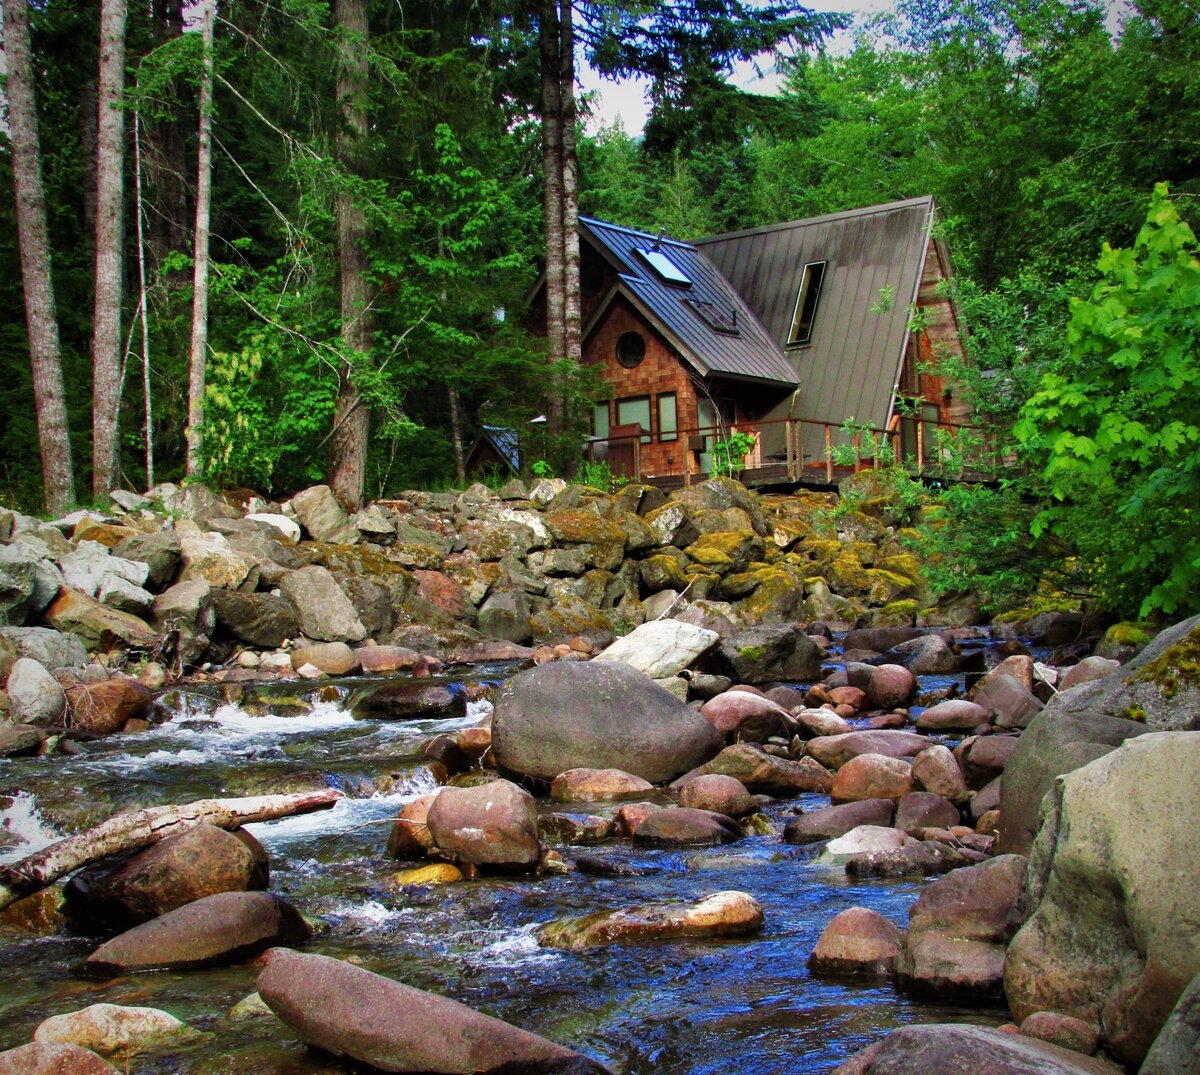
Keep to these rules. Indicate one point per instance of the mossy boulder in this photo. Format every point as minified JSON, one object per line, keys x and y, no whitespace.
{"x":778,"y":596}
{"x":846,"y":573}
{"x":603,"y":540}
{"x":732,"y":550}
{"x":663,"y":571}
{"x":1124,"y":641}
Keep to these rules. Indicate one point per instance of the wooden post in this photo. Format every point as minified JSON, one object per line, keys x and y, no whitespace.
{"x":920,"y":446}
{"x":857,"y":452}
{"x":687,"y":462}
{"x":828,"y":453}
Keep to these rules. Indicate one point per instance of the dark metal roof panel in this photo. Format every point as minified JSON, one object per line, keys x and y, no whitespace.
{"x":751,"y":353}
{"x":851,"y":367}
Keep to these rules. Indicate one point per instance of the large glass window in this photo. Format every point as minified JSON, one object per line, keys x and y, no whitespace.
{"x":806,"y":304}
{"x":668,"y":417}
{"x":635,"y":410}
{"x":600,"y":420}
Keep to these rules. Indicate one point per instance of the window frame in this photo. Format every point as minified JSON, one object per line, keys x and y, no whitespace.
{"x":807,"y":300}
{"x":673,"y":433}
{"x":648,"y":436}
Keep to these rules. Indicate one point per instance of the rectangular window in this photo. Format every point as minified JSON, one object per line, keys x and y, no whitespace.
{"x":668,"y":418}
{"x":635,"y":410}
{"x":600,"y":420}
{"x":806,"y":304}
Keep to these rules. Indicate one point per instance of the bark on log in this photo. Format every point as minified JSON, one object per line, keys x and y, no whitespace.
{"x":141,"y":828}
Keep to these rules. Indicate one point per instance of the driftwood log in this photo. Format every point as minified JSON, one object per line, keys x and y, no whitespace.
{"x":141,"y":828}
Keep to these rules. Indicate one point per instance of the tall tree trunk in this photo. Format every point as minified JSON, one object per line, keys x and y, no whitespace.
{"x":572,"y":301}
{"x":143,"y":299}
{"x":106,"y":318}
{"x":549,"y":42}
{"x":456,"y":435}
{"x":164,"y":150}
{"x":41,"y":316}
{"x":352,"y":419}
{"x":198,"y":354}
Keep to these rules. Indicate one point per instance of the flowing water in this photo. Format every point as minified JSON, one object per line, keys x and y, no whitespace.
{"x":692,"y":1006}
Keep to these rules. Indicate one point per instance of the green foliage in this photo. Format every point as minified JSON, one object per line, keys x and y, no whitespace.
{"x":598,"y":474}
{"x":1118,"y":423}
{"x":729,"y":453}
{"x":540,"y":468}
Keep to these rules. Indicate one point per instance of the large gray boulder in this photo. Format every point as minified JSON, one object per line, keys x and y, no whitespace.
{"x":323,"y":610}
{"x":955,"y":1048}
{"x":186,"y":612}
{"x":596,"y":716}
{"x":34,"y":695}
{"x":322,"y":516}
{"x":159,"y":551}
{"x":53,"y":649}
{"x":661,"y":648}
{"x":351,"y":1012}
{"x":260,"y":619}
{"x":1112,"y":938}
{"x":1177,"y":1047}
{"x":768,"y":653}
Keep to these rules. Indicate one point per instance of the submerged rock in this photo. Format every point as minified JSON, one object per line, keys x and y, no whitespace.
{"x":114,"y":1030}
{"x":53,"y":1058}
{"x":351,"y":1012}
{"x":857,"y":941}
{"x":722,"y":914}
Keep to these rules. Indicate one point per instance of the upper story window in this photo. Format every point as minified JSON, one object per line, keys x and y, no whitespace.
{"x":806,"y":304}
{"x":665,"y":267}
{"x":631,"y":349}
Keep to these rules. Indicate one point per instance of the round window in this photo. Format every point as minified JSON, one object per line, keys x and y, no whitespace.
{"x":631,"y":349}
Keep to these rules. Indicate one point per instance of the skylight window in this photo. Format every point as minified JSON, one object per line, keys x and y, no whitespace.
{"x":665,"y":267}
{"x":716,"y":319}
{"x":806,"y":304}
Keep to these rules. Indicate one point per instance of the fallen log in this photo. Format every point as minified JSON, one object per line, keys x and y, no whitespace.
{"x":141,"y":828}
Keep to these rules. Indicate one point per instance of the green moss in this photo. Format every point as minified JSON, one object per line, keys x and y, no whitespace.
{"x":1133,"y":712}
{"x":751,"y":653}
{"x":1128,"y":634}
{"x":1178,"y":666}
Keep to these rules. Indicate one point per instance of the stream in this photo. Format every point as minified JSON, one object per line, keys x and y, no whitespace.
{"x":694,"y":1006}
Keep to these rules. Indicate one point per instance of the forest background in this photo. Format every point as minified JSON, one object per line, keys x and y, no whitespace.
{"x":400,"y":146}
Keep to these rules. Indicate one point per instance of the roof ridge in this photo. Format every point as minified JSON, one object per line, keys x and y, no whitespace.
{"x":596,"y":222}
{"x":804,"y":222}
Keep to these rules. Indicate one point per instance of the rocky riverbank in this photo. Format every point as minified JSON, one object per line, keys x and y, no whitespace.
{"x":710,"y":721}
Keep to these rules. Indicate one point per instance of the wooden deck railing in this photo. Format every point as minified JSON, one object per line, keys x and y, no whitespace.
{"x":809,"y":452}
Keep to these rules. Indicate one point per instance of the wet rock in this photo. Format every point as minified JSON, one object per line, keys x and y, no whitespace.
{"x":376,"y":660}
{"x":574,"y":828}
{"x":722,"y":914}
{"x":871,"y":776}
{"x":748,"y":717}
{"x":955,"y":714}
{"x":437,"y":873}
{"x":763,"y":772}
{"x":53,"y":1058}
{"x":96,"y":709}
{"x":936,"y":770}
{"x":596,"y":715}
{"x":857,"y":941}
{"x":351,"y":1012}
{"x":834,"y":751}
{"x":835,"y":821}
{"x":720,"y":794}
{"x":491,"y":825}
{"x":769,"y":653}
{"x":1065,"y":1031}
{"x":114,"y":1030}
{"x":34,"y":695}
{"x":958,"y":928}
{"x":880,"y":639}
{"x":922,"y":810}
{"x":661,"y":648}
{"x":915,"y":859}
{"x":403,"y":701}
{"x":864,"y":839}
{"x":597,"y":785}
{"x":410,"y":837}
{"x":954,"y":1048}
{"x":891,"y":685}
{"x":1104,"y":941}
{"x":18,"y":739}
{"x":224,"y":928}
{"x":260,"y":619}
{"x":323,"y":611}
{"x":820,"y":722}
{"x":680,"y":826}
{"x":178,"y":870}
{"x":923,"y":656}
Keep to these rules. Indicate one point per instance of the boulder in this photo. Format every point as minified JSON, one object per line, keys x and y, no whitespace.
{"x":683,"y":826}
{"x":1007,"y":701}
{"x":880,"y":639}
{"x":574,"y":828}
{"x":97,"y":625}
{"x":398,"y":700}
{"x":596,"y":715}
{"x":323,"y":611}
{"x":816,"y":722}
{"x":722,"y":914}
{"x":410,"y":837}
{"x":834,"y":751}
{"x":1063,"y":1030}
{"x":835,"y":821}
{"x":1177,"y":1047}
{"x":505,"y":614}
{"x":258,"y":619}
{"x":871,"y":776}
{"x":661,"y":648}
{"x":1104,"y":941}
{"x":322,"y":516}
{"x":135,"y":888}
{"x":18,"y":739}
{"x":350,"y":1012}
{"x":285,"y":530}
{"x":34,"y":695}
{"x":936,"y":770}
{"x":494,"y":824}
{"x":985,"y":757}
{"x":762,"y":772}
{"x":927,"y":655}
{"x":219,"y":929}
{"x":953,"y":715}
{"x":958,"y":928}
{"x":187,"y":613}
{"x":719,"y":794}
{"x":50,"y":648}
{"x":865,"y":839}
{"x":954,"y":1048}
{"x":1087,"y":670}
{"x":159,"y":551}
{"x":923,"y":810}
{"x":891,"y":686}
{"x":208,"y":557}
{"x":89,"y":564}
{"x":598,"y":785}
{"x":768,"y":653}
{"x":53,"y":1058}
{"x":96,"y":709}
{"x":746,"y":716}
{"x":115,"y":1030}
{"x":376,"y":660}
{"x":857,"y":941}
{"x":332,"y":658}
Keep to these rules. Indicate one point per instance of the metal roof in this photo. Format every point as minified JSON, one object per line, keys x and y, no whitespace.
{"x":741,"y":348}
{"x":874,"y":259}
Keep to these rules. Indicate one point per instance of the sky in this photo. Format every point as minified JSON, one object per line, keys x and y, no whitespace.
{"x":626,"y":100}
